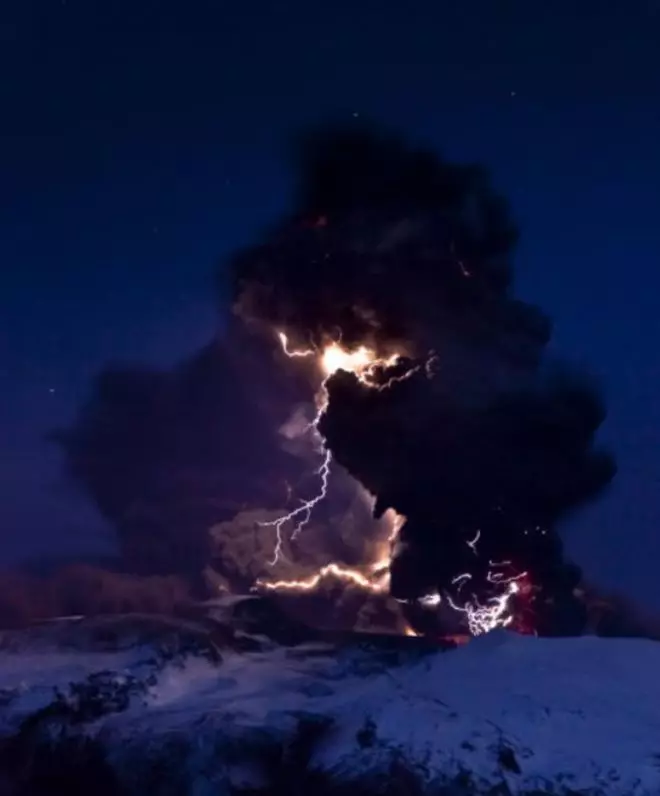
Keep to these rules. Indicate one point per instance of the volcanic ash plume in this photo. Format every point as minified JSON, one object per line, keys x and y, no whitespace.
{"x":395,"y":266}
{"x":379,"y":429}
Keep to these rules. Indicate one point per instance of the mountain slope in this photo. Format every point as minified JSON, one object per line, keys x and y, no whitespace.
{"x":218,"y":706}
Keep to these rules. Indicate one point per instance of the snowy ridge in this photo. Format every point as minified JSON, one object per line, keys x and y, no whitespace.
{"x":504,"y":714}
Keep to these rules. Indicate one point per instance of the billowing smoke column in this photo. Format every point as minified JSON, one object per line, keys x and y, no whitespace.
{"x":165,"y":455}
{"x":482,"y":488}
{"x":484,"y":445}
{"x":374,"y":344}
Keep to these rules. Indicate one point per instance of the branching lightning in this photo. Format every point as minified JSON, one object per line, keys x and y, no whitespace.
{"x":496,"y":612}
{"x":430,"y":600}
{"x":472,"y":544}
{"x":460,"y":580}
{"x":305,"y":352}
{"x":368,"y":368}
{"x":335,"y":570}
{"x":302,"y":515}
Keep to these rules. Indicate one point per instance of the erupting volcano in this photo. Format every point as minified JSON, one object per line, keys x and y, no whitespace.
{"x":380,"y":419}
{"x":380,"y":373}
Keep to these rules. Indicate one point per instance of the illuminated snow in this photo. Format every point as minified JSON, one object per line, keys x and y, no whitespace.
{"x":577,"y":713}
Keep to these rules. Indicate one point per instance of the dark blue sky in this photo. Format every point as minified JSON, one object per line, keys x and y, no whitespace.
{"x":142,"y":141}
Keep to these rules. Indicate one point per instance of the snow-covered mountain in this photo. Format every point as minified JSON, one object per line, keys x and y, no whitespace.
{"x":243,"y":702}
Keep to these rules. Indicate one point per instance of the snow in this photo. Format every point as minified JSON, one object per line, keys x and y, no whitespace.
{"x":578,"y":713}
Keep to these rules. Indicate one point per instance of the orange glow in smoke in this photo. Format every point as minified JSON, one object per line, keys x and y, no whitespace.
{"x":408,"y":631}
{"x":365,"y":365}
{"x":345,"y":574}
{"x":371,"y":370}
{"x":376,"y":580}
{"x":362,"y":361}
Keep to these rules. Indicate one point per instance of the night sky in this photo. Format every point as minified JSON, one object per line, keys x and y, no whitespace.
{"x":142,"y":142}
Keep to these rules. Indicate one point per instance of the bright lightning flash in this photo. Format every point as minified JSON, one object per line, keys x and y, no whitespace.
{"x":497,"y":610}
{"x":367,"y":366}
{"x":303,"y":513}
{"x":495,"y":613}
{"x":335,"y":570}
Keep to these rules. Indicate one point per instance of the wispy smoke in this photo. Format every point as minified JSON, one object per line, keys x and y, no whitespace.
{"x":80,"y":589}
{"x":391,"y":247}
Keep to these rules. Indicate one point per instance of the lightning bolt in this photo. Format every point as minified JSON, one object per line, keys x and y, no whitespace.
{"x":303,"y":513}
{"x":366,"y":366}
{"x":375,"y":581}
{"x":369,"y":369}
{"x":306,"y":352}
{"x":495,"y":613}
{"x":342,"y":573}
{"x":482,"y":618}
{"x":473,"y":543}
{"x":430,"y":600}
{"x":460,"y":580}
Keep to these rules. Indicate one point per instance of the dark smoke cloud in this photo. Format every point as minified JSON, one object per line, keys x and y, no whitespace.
{"x":391,"y":245}
{"x":386,"y":245}
{"x":511,"y":470}
{"x":165,"y":455}
{"x":378,"y":246}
